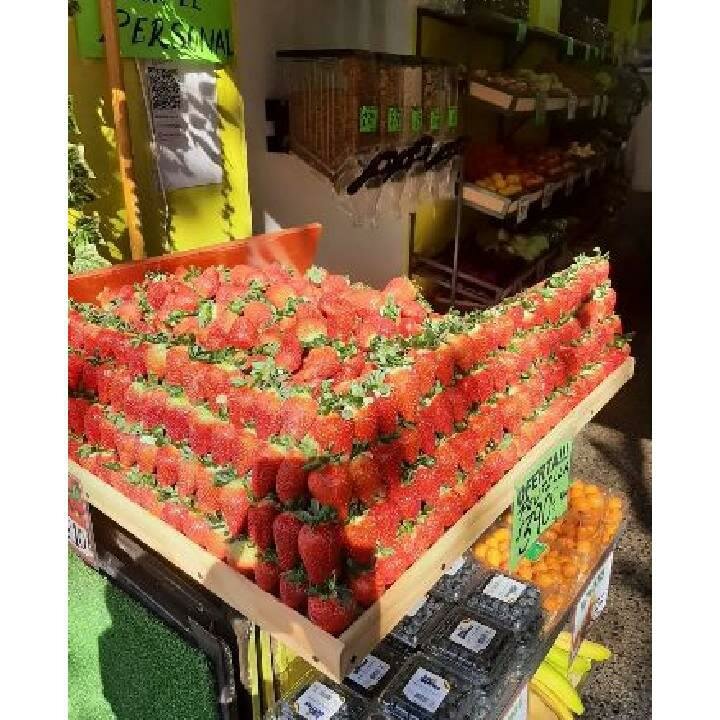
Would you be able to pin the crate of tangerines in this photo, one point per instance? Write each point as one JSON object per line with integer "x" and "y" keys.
{"x": 573, "y": 544}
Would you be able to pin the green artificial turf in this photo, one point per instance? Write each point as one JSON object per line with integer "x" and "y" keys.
{"x": 125, "y": 664}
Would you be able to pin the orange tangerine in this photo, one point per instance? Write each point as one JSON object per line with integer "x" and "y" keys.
{"x": 524, "y": 574}
{"x": 502, "y": 533}
{"x": 615, "y": 502}
{"x": 584, "y": 546}
{"x": 479, "y": 552}
{"x": 493, "y": 557}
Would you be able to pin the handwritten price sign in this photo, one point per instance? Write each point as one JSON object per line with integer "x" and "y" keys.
{"x": 540, "y": 499}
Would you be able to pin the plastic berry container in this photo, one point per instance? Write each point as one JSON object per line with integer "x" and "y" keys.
{"x": 419, "y": 622}
{"x": 469, "y": 642}
{"x": 509, "y": 603}
{"x": 427, "y": 689}
{"x": 318, "y": 698}
{"x": 459, "y": 579}
{"x": 376, "y": 670}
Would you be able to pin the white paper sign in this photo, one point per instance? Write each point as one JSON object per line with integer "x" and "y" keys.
{"x": 426, "y": 689}
{"x": 182, "y": 99}
{"x": 473, "y": 635}
{"x": 591, "y": 603}
{"x": 318, "y": 702}
{"x": 519, "y": 709}
{"x": 369, "y": 672}
{"x": 504, "y": 588}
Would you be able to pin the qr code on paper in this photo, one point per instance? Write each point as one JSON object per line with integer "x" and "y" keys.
{"x": 165, "y": 90}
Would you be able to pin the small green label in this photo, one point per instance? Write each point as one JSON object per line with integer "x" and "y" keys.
{"x": 435, "y": 118}
{"x": 368, "y": 118}
{"x": 394, "y": 119}
{"x": 452, "y": 116}
{"x": 541, "y": 497}
{"x": 570, "y": 47}
{"x": 416, "y": 119}
{"x": 535, "y": 551}
{"x": 521, "y": 31}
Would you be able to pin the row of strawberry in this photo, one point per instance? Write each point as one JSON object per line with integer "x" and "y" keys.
{"x": 394, "y": 545}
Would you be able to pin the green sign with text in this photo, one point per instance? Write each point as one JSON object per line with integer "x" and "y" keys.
{"x": 161, "y": 29}
{"x": 541, "y": 497}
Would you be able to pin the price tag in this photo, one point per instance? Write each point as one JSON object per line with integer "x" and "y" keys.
{"x": 416, "y": 119}
{"x": 591, "y": 604}
{"x": 569, "y": 183}
{"x": 604, "y": 105}
{"x": 521, "y": 31}
{"x": 595, "y": 105}
{"x": 523, "y": 204}
{"x": 394, "y": 119}
{"x": 519, "y": 709}
{"x": 569, "y": 47}
{"x": 505, "y": 589}
{"x": 452, "y": 116}
{"x": 426, "y": 689}
{"x": 473, "y": 635}
{"x": 540, "y": 498}
{"x": 318, "y": 702}
{"x": 588, "y": 173}
{"x": 80, "y": 529}
{"x": 368, "y": 118}
{"x": 435, "y": 118}
{"x": 369, "y": 672}
{"x": 572, "y": 106}
{"x": 547, "y": 195}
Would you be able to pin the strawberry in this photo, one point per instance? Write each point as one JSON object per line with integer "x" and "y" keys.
{"x": 174, "y": 513}
{"x": 320, "y": 363}
{"x": 176, "y": 360}
{"x": 311, "y": 330}
{"x": 243, "y": 275}
{"x": 367, "y": 587}
{"x": 241, "y": 401}
{"x": 260, "y": 518}
{"x": 409, "y": 444}
{"x": 333, "y": 608}
{"x": 333, "y": 433}
{"x": 406, "y": 499}
{"x": 331, "y": 485}
{"x": 264, "y": 471}
{"x": 365, "y": 477}
{"x": 440, "y": 414}
{"x": 459, "y": 404}
{"x": 126, "y": 448}
{"x": 93, "y": 417}
{"x": 390, "y": 562}
{"x": 248, "y": 449}
{"x": 207, "y": 283}
{"x": 234, "y": 505}
{"x": 424, "y": 367}
{"x": 188, "y": 470}
{"x": 387, "y": 414}
{"x": 387, "y": 519}
{"x": 176, "y": 417}
{"x": 223, "y": 443}
{"x": 298, "y": 414}
{"x": 290, "y": 355}
{"x": 196, "y": 527}
{"x": 445, "y": 365}
{"x": 358, "y": 537}
{"x": 406, "y": 391}
{"x": 286, "y": 528}
{"x": 121, "y": 381}
{"x": 267, "y": 574}
{"x": 320, "y": 548}
{"x": 267, "y": 415}
{"x": 401, "y": 289}
{"x": 105, "y": 375}
{"x": 201, "y": 429}
{"x": 207, "y": 490}
{"x": 242, "y": 335}
{"x": 365, "y": 423}
{"x": 279, "y": 294}
{"x": 167, "y": 461}
{"x": 293, "y": 589}
{"x": 242, "y": 555}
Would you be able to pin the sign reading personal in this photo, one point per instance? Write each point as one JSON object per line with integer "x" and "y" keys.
{"x": 161, "y": 29}
{"x": 540, "y": 498}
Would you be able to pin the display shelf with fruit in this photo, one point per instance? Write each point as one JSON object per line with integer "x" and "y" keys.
{"x": 334, "y": 443}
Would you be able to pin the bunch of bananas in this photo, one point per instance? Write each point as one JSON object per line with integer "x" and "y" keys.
{"x": 553, "y": 691}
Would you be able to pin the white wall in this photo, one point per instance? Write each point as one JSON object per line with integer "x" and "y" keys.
{"x": 283, "y": 190}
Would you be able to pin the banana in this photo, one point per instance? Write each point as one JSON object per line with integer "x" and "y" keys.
{"x": 548, "y": 676}
{"x": 551, "y": 700}
{"x": 558, "y": 658}
{"x": 588, "y": 649}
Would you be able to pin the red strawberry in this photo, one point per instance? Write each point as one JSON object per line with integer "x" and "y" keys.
{"x": 174, "y": 513}
{"x": 365, "y": 423}
{"x": 279, "y": 294}
{"x": 93, "y": 417}
{"x": 331, "y": 486}
{"x": 291, "y": 478}
{"x": 333, "y": 613}
{"x": 333, "y": 433}
{"x": 260, "y": 519}
{"x": 126, "y": 448}
{"x": 290, "y": 354}
{"x": 187, "y": 477}
{"x": 310, "y": 330}
{"x": 298, "y": 414}
{"x": 440, "y": 414}
{"x": 387, "y": 414}
{"x": 367, "y": 587}
{"x": 119, "y": 385}
{"x": 293, "y": 589}
{"x": 243, "y": 334}
{"x": 321, "y": 363}
{"x": 359, "y": 537}
{"x": 223, "y": 443}
{"x": 201, "y": 429}
{"x": 207, "y": 283}
{"x": 176, "y": 418}
{"x": 426, "y": 433}
{"x": 167, "y": 460}
{"x": 207, "y": 491}
{"x": 387, "y": 519}
{"x": 267, "y": 414}
{"x": 243, "y": 275}
{"x": 390, "y": 562}
{"x": 286, "y": 528}
{"x": 248, "y": 449}
{"x": 406, "y": 498}
{"x": 445, "y": 364}
{"x": 459, "y": 404}
{"x": 365, "y": 477}
{"x": 264, "y": 471}
{"x": 406, "y": 390}
{"x": 401, "y": 289}
{"x": 320, "y": 551}
{"x": 104, "y": 379}
{"x": 267, "y": 573}
{"x": 196, "y": 527}
{"x": 234, "y": 505}
{"x": 409, "y": 444}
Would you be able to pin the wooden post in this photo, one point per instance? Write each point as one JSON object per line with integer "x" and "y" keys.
{"x": 122, "y": 127}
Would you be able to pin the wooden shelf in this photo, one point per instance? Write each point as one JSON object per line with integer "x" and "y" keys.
{"x": 337, "y": 656}
{"x": 506, "y": 102}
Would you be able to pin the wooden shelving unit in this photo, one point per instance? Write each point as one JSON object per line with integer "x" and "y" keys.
{"x": 337, "y": 656}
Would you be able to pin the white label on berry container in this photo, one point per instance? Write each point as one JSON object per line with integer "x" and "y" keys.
{"x": 369, "y": 672}
{"x": 455, "y": 567}
{"x": 318, "y": 702}
{"x": 426, "y": 689}
{"x": 414, "y": 609}
{"x": 504, "y": 588}
{"x": 473, "y": 635}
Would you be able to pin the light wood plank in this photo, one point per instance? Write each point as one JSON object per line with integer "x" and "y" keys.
{"x": 336, "y": 656}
